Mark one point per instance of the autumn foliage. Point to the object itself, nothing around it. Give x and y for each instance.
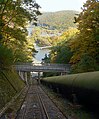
(80, 46)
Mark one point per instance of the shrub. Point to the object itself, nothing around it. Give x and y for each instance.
(6, 57)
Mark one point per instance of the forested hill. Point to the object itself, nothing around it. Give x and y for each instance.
(58, 20)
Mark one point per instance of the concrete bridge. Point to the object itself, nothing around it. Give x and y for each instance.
(46, 47)
(38, 67)
(25, 68)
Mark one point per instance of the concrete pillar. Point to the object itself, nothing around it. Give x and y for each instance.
(22, 75)
(19, 73)
(38, 77)
(63, 73)
(26, 78)
(30, 78)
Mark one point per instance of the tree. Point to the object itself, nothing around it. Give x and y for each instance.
(87, 41)
(46, 59)
(61, 52)
(6, 57)
(14, 16)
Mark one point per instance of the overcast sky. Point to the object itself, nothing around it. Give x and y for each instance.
(57, 5)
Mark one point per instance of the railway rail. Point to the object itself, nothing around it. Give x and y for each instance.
(37, 105)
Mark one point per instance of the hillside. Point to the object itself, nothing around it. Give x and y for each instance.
(10, 85)
(60, 20)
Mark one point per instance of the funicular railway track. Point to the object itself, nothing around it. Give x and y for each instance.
(37, 105)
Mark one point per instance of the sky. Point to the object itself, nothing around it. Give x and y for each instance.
(58, 5)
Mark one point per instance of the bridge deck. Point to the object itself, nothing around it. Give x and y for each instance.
(43, 67)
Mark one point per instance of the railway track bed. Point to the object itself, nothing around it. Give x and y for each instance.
(37, 105)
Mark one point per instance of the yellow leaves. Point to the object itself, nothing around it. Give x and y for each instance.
(76, 56)
(85, 45)
(88, 29)
(53, 57)
(69, 34)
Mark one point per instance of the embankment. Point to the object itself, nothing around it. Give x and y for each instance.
(10, 85)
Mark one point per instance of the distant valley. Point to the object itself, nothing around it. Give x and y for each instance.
(51, 25)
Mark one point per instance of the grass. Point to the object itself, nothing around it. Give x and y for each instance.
(15, 107)
(10, 85)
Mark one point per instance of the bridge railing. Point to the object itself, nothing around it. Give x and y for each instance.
(42, 67)
(44, 64)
